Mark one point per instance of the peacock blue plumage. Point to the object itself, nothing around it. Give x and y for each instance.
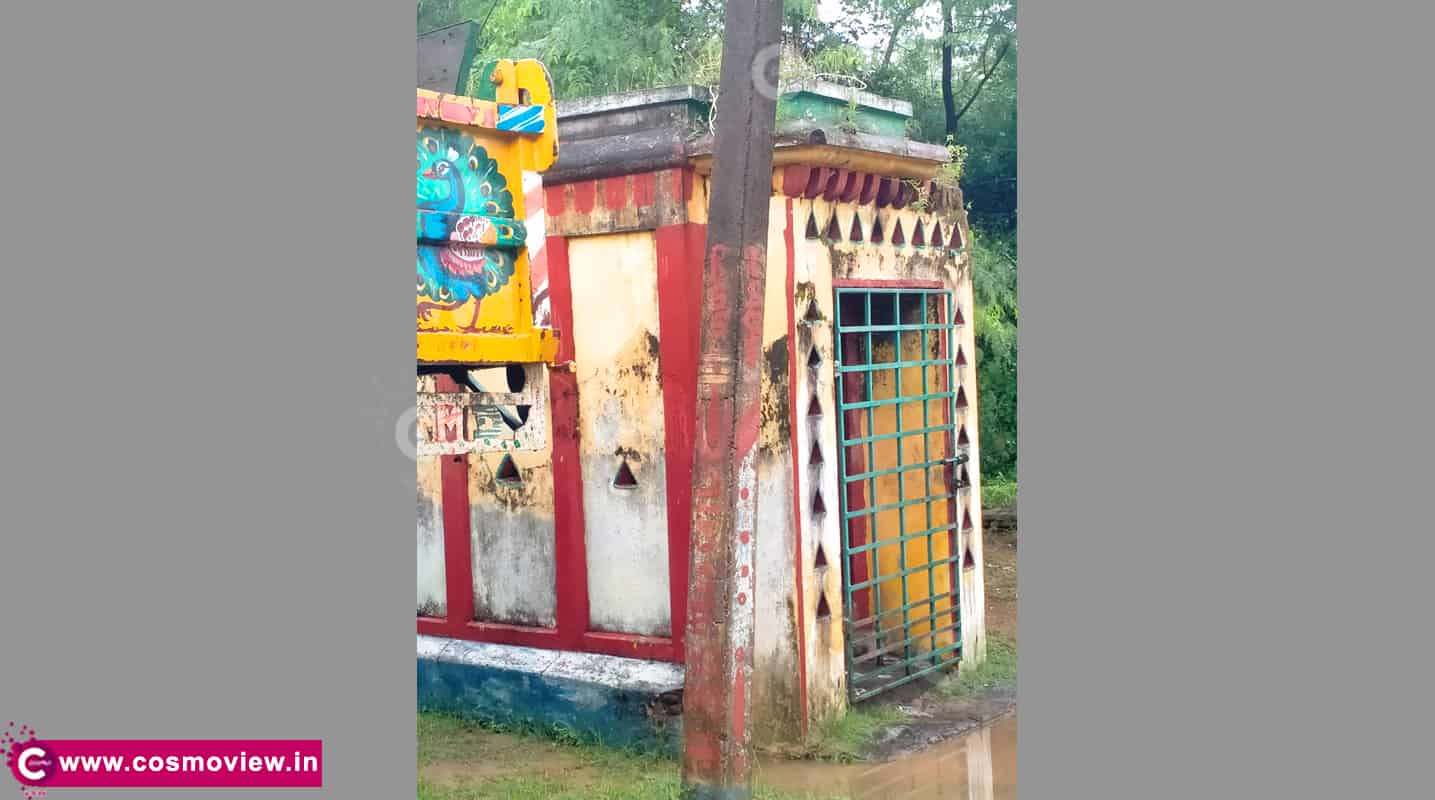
(457, 178)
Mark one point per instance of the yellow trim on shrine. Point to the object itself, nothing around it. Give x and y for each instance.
(538, 345)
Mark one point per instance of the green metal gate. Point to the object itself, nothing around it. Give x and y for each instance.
(901, 483)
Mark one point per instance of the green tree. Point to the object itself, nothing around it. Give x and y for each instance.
(591, 46)
(994, 290)
(954, 60)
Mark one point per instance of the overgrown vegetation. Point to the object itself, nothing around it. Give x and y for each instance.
(999, 493)
(849, 736)
(461, 759)
(998, 671)
(844, 737)
(954, 60)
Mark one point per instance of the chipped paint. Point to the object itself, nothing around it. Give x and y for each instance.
(973, 580)
(514, 580)
(777, 665)
(620, 416)
(823, 637)
(818, 262)
(613, 412)
(777, 712)
(776, 432)
(624, 203)
(473, 421)
(432, 599)
(619, 701)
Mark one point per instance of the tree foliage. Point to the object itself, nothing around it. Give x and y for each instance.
(591, 46)
(994, 287)
(954, 60)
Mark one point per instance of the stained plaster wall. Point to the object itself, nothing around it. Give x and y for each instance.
(615, 321)
(810, 403)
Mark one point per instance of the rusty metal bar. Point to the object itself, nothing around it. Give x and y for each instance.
(717, 757)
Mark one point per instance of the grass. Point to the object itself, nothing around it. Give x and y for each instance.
(636, 787)
(998, 670)
(998, 492)
(446, 737)
(466, 760)
(462, 759)
(844, 737)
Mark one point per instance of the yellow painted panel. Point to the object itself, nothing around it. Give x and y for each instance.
(894, 558)
(620, 417)
(473, 285)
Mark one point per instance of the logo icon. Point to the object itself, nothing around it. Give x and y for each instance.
(31, 761)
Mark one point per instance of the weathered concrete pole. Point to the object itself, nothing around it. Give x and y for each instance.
(718, 645)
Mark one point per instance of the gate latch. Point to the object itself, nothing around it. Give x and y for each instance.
(955, 480)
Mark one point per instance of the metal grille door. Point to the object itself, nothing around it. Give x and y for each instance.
(900, 482)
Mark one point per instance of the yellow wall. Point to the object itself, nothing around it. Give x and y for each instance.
(894, 488)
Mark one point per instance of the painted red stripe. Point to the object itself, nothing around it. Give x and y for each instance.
(681, 183)
(645, 189)
(739, 710)
(861, 283)
(794, 179)
(679, 254)
(554, 202)
(569, 548)
(799, 589)
(516, 635)
(652, 648)
(886, 187)
(870, 183)
(816, 181)
(902, 194)
(451, 111)
(585, 194)
(615, 192)
(457, 544)
(855, 425)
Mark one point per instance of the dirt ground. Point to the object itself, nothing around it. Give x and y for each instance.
(1001, 583)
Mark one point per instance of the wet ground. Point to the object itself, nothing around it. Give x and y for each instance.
(980, 765)
(941, 747)
(930, 716)
(462, 762)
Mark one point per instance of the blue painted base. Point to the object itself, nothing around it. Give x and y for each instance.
(620, 702)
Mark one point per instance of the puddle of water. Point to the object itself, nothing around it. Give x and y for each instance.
(978, 766)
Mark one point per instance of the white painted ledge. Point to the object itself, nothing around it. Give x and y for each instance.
(612, 671)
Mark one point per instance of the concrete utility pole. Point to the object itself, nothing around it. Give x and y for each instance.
(718, 646)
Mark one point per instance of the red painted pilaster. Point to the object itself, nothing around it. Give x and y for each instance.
(680, 264)
(569, 548)
(457, 541)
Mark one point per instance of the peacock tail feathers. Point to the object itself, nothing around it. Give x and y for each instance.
(484, 190)
(455, 273)
(456, 176)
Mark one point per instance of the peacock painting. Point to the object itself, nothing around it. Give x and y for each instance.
(458, 181)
